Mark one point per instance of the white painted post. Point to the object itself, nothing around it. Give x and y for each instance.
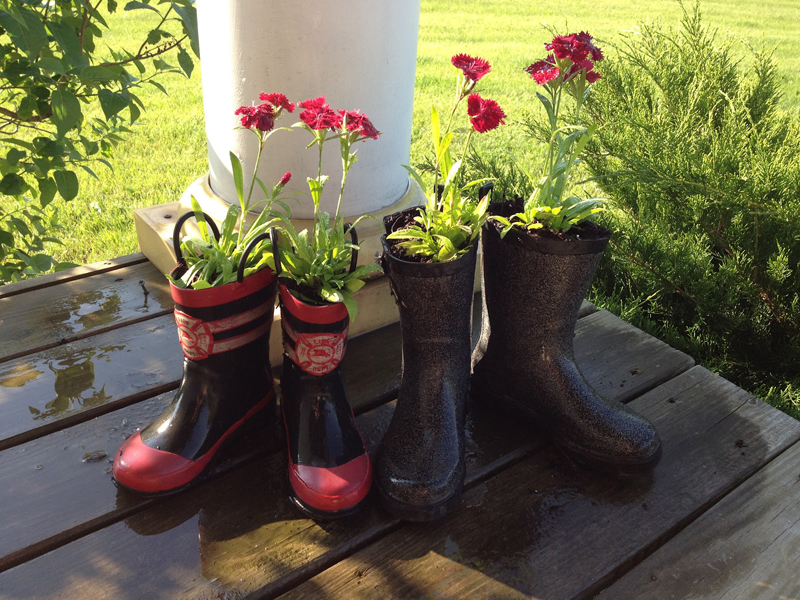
(360, 53)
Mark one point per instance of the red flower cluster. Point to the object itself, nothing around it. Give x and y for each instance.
(318, 115)
(486, 114)
(286, 177)
(544, 70)
(357, 121)
(263, 116)
(577, 48)
(279, 101)
(473, 68)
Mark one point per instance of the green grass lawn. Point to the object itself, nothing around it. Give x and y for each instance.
(167, 151)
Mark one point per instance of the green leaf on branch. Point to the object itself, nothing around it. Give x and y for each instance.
(66, 111)
(140, 5)
(47, 191)
(67, 183)
(188, 15)
(238, 177)
(112, 102)
(6, 238)
(13, 156)
(52, 64)
(12, 185)
(67, 39)
(186, 63)
(30, 38)
(97, 74)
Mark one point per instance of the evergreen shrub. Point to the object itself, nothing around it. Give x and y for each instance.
(702, 171)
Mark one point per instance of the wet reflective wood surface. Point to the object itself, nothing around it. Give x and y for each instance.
(83, 366)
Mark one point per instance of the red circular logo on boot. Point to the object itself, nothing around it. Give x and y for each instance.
(194, 335)
(321, 353)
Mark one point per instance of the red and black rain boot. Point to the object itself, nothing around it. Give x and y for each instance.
(227, 382)
(329, 469)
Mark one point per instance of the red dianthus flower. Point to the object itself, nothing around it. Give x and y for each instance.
(568, 46)
(357, 121)
(586, 39)
(486, 114)
(261, 117)
(473, 68)
(285, 179)
(318, 115)
(543, 71)
(278, 101)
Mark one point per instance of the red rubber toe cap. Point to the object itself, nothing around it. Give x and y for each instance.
(332, 488)
(139, 467)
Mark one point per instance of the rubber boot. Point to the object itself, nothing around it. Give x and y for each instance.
(421, 468)
(330, 471)
(533, 287)
(224, 333)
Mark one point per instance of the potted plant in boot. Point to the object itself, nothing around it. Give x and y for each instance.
(429, 255)
(224, 290)
(330, 471)
(538, 260)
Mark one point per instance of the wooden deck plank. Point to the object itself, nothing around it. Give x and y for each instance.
(554, 533)
(55, 315)
(296, 552)
(51, 471)
(747, 547)
(27, 285)
(57, 388)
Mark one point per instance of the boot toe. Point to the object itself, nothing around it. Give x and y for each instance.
(141, 468)
(331, 489)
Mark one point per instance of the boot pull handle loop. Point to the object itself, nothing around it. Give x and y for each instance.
(273, 236)
(354, 237)
(484, 190)
(250, 247)
(176, 234)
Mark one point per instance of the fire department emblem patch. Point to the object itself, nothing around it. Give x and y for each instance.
(320, 353)
(195, 336)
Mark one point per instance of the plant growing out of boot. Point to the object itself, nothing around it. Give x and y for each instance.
(537, 265)
(567, 72)
(224, 297)
(450, 222)
(330, 471)
(213, 260)
(429, 255)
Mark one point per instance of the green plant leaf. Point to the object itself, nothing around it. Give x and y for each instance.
(66, 111)
(112, 102)
(97, 74)
(66, 38)
(12, 184)
(52, 64)
(186, 62)
(140, 5)
(188, 15)
(47, 191)
(238, 178)
(6, 238)
(30, 38)
(67, 184)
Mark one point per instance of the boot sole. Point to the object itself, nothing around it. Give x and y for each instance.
(258, 423)
(421, 514)
(328, 515)
(579, 457)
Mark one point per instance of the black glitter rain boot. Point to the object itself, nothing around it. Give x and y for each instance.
(421, 468)
(533, 286)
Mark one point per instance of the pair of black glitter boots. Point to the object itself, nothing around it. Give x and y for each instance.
(523, 364)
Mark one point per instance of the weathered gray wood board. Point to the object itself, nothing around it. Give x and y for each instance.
(28, 285)
(55, 315)
(747, 547)
(554, 533)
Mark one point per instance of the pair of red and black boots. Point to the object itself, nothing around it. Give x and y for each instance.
(227, 388)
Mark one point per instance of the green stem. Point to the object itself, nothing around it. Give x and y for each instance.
(321, 138)
(246, 205)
